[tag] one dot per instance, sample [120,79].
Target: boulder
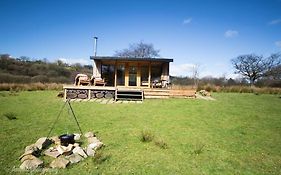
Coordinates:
[59,163]
[80,151]
[31,164]
[42,143]
[89,134]
[75,158]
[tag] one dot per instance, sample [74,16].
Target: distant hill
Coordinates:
[24,70]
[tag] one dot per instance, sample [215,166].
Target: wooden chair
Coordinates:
[82,79]
[99,82]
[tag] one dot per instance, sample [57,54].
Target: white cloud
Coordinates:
[231,33]
[187,21]
[274,22]
[76,60]
[181,70]
[278,43]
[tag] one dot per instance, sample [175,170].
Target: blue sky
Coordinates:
[208,33]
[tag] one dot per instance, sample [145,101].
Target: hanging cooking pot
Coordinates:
[66,139]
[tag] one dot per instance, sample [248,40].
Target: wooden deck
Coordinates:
[92,92]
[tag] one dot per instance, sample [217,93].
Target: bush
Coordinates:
[29,87]
[146,136]
[161,143]
[10,115]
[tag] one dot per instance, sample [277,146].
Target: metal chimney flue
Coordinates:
[95,45]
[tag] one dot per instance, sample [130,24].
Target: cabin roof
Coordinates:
[110,58]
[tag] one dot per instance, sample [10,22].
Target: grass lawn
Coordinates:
[236,134]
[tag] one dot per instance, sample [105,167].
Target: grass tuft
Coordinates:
[199,149]
[100,157]
[10,115]
[161,143]
[146,136]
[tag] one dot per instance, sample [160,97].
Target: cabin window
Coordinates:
[108,74]
[144,76]
[156,72]
[121,75]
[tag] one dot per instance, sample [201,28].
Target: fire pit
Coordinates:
[62,150]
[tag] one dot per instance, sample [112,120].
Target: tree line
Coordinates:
[26,70]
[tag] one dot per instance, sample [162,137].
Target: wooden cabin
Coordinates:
[132,72]
[124,78]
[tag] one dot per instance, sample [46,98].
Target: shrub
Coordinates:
[146,136]
[100,157]
[161,143]
[10,115]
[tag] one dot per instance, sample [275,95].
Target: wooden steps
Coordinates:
[168,93]
[129,94]
[183,93]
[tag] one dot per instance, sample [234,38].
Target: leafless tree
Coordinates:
[195,72]
[254,66]
[139,50]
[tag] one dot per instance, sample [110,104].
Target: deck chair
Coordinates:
[82,79]
[99,81]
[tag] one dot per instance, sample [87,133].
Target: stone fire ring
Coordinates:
[61,155]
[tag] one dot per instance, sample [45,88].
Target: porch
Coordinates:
[132,93]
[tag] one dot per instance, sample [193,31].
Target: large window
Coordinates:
[121,75]
[144,75]
[156,72]
[107,72]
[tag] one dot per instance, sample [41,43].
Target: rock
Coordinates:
[89,134]
[59,163]
[27,157]
[80,151]
[55,139]
[75,158]
[31,164]
[31,147]
[42,143]
[90,152]
[29,152]
[93,140]
[95,145]
[52,153]
[65,149]
[76,144]
[77,137]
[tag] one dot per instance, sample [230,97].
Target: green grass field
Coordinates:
[236,134]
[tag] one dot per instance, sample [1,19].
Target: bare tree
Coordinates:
[195,72]
[139,50]
[254,66]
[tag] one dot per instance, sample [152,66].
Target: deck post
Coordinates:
[89,94]
[149,75]
[64,96]
[115,74]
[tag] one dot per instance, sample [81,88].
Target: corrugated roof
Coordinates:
[110,58]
